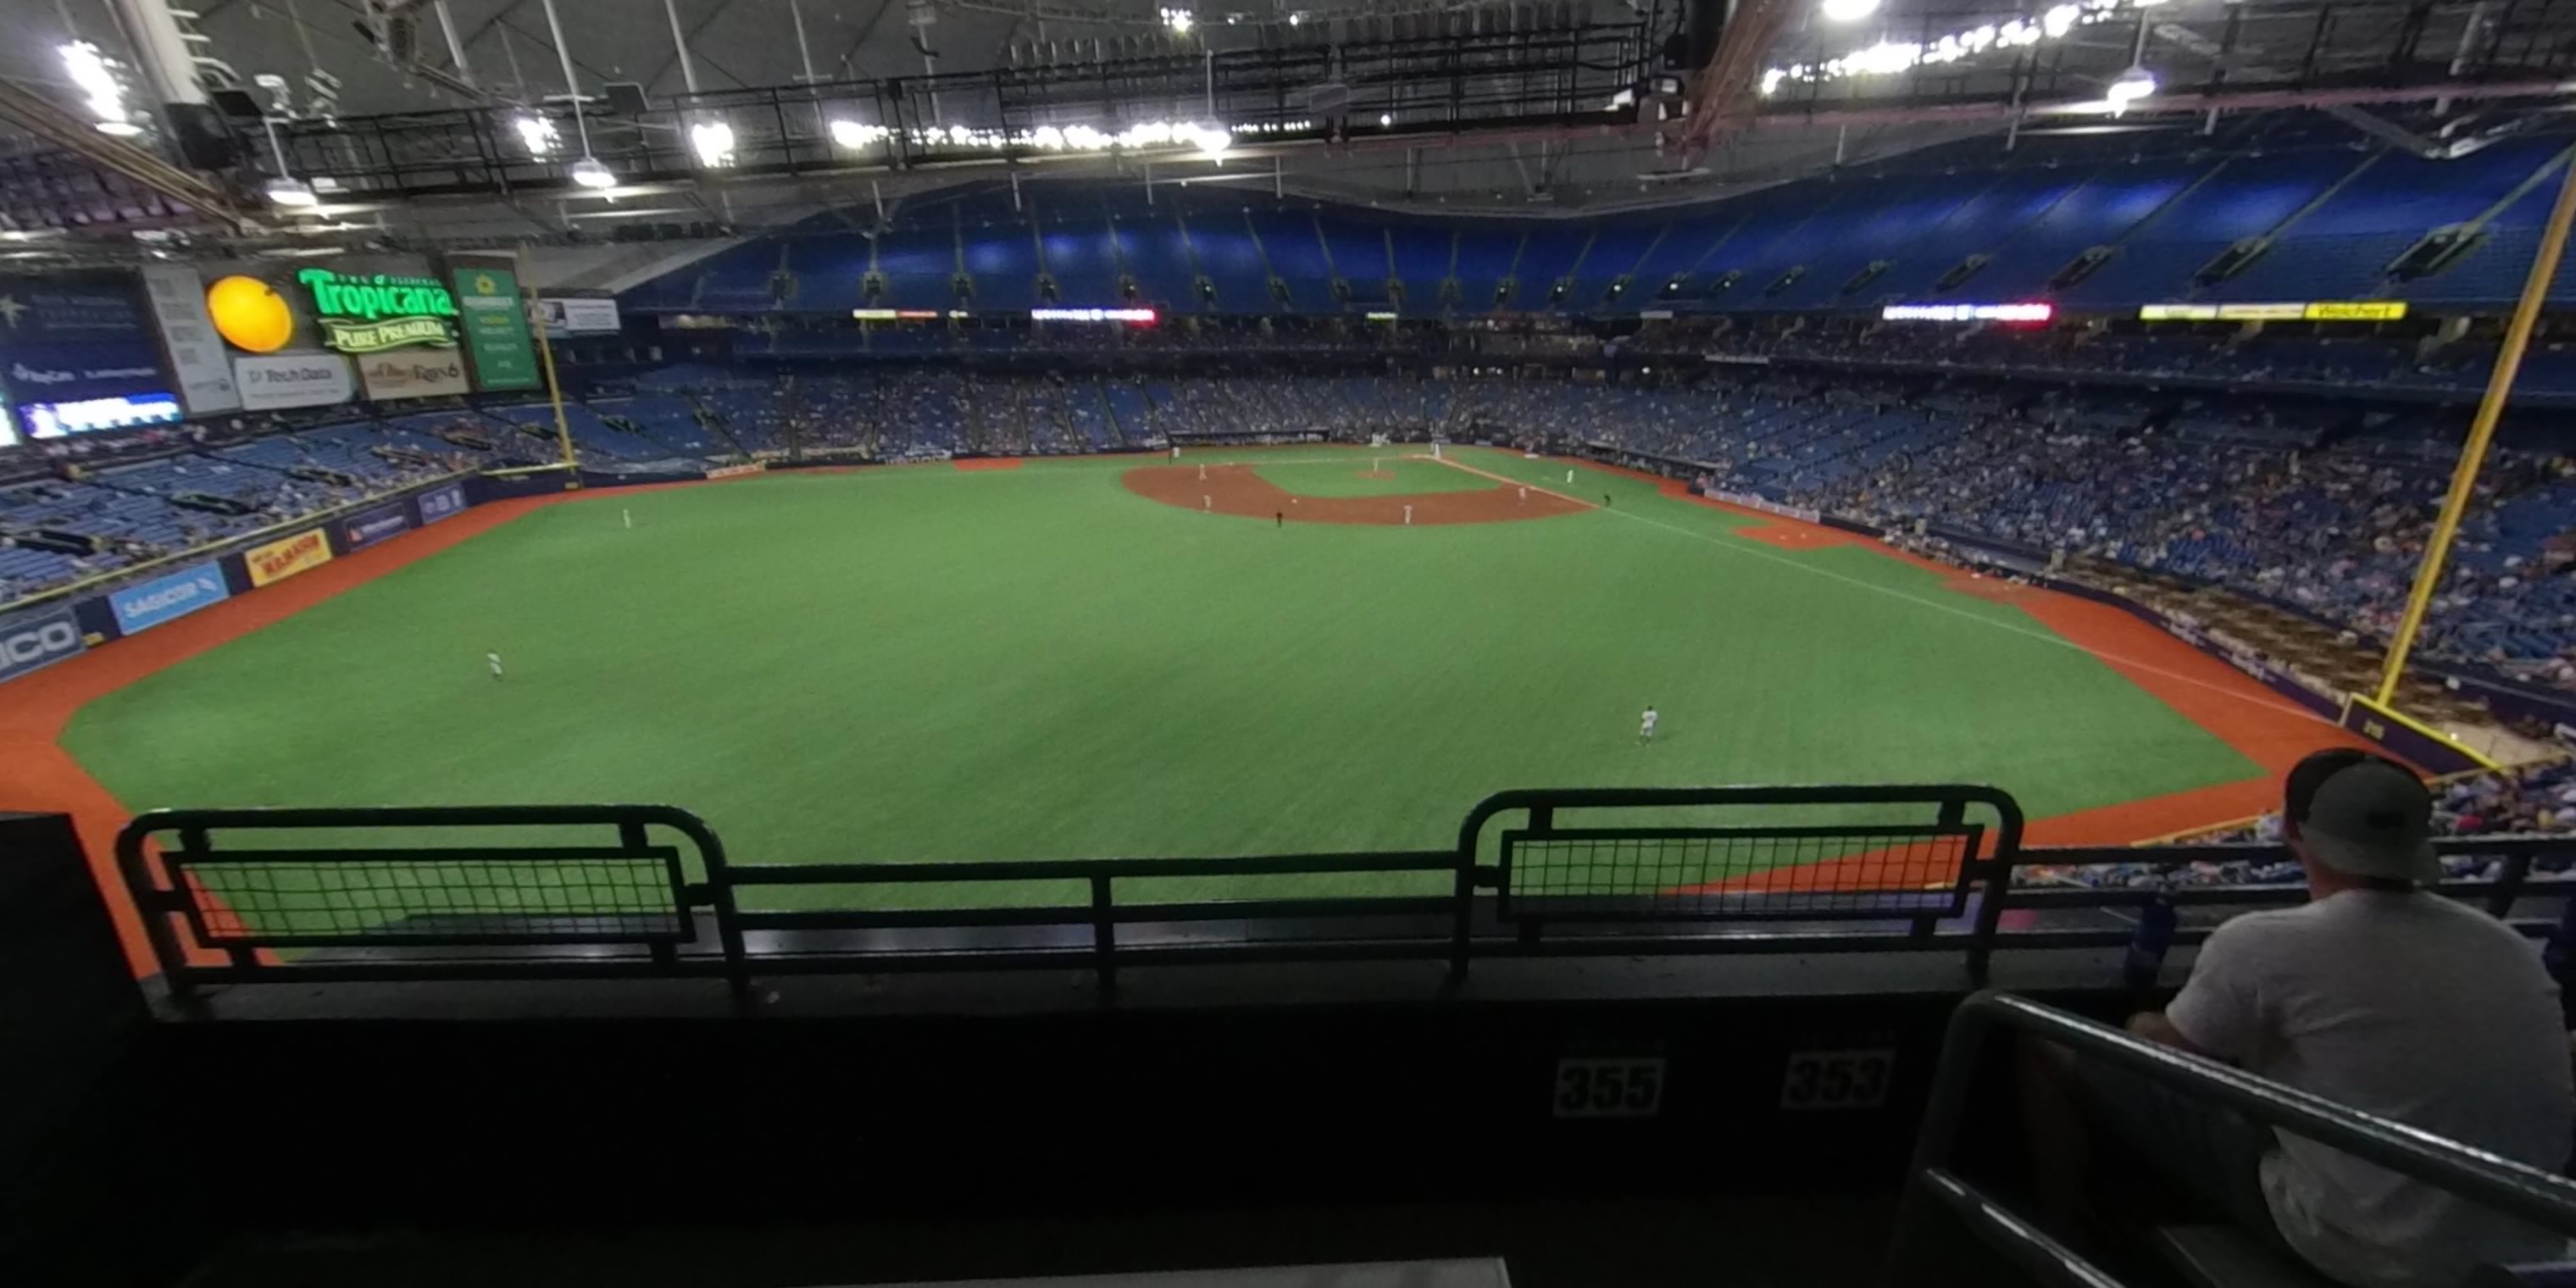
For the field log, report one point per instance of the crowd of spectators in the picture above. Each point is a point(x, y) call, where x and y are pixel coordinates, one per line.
point(2324, 512)
point(2533, 800)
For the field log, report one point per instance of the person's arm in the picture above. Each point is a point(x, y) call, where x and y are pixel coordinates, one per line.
point(2219, 1013)
point(2157, 1027)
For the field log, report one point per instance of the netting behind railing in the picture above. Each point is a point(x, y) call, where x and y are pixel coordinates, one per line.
point(291, 899)
point(1740, 872)
point(1746, 853)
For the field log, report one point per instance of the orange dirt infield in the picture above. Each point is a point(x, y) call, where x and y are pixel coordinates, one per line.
point(1236, 490)
point(1797, 536)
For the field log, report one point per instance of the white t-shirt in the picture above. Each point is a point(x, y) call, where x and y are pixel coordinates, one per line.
point(1650, 720)
point(2413, 1007)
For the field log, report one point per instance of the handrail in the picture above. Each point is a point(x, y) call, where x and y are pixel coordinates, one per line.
point(1460, 920)
point(2535, 1196)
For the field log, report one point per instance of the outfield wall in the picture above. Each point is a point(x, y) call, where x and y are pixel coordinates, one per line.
point(115, 607)
point(112, 607)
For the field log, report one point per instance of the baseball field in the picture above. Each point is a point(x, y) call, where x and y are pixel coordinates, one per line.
point(1247, 651)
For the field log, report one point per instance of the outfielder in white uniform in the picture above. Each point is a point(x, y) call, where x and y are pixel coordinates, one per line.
point(1646, 726)
point(495, 659)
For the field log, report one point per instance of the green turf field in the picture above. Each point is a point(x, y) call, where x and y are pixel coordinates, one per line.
point(937, 664)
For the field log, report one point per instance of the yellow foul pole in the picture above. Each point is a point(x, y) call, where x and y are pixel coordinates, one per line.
point(554, 390)
point(2473, 454)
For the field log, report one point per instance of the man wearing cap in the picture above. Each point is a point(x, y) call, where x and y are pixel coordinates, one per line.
point(2378, 994)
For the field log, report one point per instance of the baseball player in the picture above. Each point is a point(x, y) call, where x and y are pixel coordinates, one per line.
point(1646, 724)
point(493, 657)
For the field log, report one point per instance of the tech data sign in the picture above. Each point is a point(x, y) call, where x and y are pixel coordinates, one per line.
point(380, 311)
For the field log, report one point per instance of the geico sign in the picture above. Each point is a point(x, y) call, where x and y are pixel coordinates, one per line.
point(29, 647)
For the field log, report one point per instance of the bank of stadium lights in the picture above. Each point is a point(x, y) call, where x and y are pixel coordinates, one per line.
point(1889, 57)
point(712, 141)
point(100, 89)
point(537, 135)
point(855, 135)
point(1180, 21)
point(1847, 10)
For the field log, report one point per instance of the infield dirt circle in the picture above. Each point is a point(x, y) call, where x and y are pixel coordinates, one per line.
point(1237, 490)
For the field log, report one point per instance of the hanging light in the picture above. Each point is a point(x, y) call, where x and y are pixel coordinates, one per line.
point(1848, 10)
point(590, 173)
point(292, 193)
point(1179, 20)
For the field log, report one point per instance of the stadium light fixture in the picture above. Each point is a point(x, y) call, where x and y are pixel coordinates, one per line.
point(537, 134)
point(292, 193)
point(712, 141)
point(1179, 20)
point(97, 81)
point(1889, 57)
point(1848, 10)
point(2134, 84)
point(590, 173)
point(854, 135)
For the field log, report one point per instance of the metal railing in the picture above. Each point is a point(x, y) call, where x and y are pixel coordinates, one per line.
point(2528, 1193)
point(362, 897)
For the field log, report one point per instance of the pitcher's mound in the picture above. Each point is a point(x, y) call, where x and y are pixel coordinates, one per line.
point(1236, 490)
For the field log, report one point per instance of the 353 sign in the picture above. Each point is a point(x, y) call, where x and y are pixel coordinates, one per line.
point(1611, 1087)
point(1855, 1079)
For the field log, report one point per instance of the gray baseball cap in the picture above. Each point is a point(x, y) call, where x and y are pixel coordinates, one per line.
point(2364, 816)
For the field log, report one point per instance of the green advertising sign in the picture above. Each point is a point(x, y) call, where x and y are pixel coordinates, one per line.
point(375, 312)
point(496, 328)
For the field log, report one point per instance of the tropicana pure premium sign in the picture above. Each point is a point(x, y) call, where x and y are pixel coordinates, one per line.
point(380, 311)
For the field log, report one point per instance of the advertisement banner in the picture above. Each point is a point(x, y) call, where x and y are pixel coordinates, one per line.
point(36, 641)
point(293, 380)
point(373, 312)
point(412, 373)
point(496, 328)
point(441, 503)
point(281, 559)
point(203, 372)
point(72, 337)
point(585, 317)
point(368, 527)
point(164, 599)
point(55, 373)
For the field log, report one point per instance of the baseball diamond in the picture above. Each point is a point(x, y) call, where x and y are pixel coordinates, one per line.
point(1064, 662)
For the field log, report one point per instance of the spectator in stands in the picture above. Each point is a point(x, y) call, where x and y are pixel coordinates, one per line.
point(2377, 994)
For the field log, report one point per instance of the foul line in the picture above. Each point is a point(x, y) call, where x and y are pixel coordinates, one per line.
point(1890, 591)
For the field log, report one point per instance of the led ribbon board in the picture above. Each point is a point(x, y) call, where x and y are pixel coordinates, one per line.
point(380, 311)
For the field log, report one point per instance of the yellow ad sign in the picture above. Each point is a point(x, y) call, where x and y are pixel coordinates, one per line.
point(281, 559)
point(2177, 312)
point(2262, 312)
point(2357, 311)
